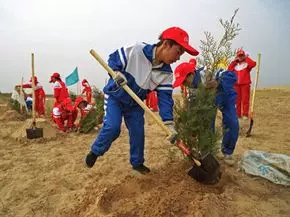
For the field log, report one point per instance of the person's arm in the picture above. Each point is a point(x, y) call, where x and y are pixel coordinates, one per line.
point(183, 90)
point(251, 63)
point(197, 78)
point(118, 60)
point(84, 90)
point(24, 86)
point(232, 65)
point(118, 63)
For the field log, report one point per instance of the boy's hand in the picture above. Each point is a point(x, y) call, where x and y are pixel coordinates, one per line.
point(171, 127)
point(211, 84)
point(120, 79)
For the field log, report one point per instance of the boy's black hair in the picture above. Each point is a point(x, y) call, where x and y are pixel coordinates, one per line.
point(170, 41)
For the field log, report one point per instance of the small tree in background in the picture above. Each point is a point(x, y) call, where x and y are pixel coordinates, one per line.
point(95, 117)
point(72, 96)
point(15, 105)
point(195, 114)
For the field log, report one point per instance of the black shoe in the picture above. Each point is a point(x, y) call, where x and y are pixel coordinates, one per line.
point(91, 159)
point(142, 169)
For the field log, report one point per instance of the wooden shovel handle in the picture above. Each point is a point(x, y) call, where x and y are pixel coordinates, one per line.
point(33, 88)
point(255, 86)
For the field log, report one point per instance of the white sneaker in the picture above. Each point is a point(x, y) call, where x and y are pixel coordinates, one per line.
point(229, 160)
point(220, 156)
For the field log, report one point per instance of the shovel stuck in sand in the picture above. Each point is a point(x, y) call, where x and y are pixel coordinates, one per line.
point(33, 132)
point(206, 169)
point(248, 133)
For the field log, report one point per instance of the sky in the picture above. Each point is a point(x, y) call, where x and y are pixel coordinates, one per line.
point(61, 33)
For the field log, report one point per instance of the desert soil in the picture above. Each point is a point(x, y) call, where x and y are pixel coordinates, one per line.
point(47, 177)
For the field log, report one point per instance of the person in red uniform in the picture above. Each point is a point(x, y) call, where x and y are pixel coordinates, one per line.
point(88, 90)
point(65, 112)
point(83, 106)
point(183, 88)
point(39, 95)
point(60, 90)
point(242, 66)
point(152, 101)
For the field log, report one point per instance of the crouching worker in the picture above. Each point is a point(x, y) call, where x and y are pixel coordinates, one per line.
point(29, 102)
point(143, 67)
point(223, 82)
point(39, 96)
point(84, 107)
point(64, 115)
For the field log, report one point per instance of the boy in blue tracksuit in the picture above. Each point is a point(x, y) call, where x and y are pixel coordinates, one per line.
point(223, 81)
point(143, 67)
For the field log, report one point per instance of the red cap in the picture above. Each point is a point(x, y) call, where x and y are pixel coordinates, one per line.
point(35, 80)
point(181, 73)
point(181, 37)
point(240, 52)
point(193, 61)
point(84, 82)
point(54, 75)
point(79, 99)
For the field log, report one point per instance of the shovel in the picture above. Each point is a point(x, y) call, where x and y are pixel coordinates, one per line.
point(206, 169)
point(248, 133)
point(33, 132)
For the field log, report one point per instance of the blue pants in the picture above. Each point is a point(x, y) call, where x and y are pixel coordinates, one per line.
point(134, 120)
point(29, 105)
point(226, 104)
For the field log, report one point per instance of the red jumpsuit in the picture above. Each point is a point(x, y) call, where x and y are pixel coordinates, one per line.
point(88, 90)
point(39, 98)
point(242, 86)
point(152, 101)
point(60, 114)
point(60, 92)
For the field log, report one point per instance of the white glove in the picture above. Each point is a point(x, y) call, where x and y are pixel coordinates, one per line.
point(171, 127)
point(120, 79)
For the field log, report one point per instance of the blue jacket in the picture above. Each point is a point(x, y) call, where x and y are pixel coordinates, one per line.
point(227, 80)
point(135, 62)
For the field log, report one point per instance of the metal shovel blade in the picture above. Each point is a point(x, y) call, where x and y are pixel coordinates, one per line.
point(209, 171)
point(34, 133)
point(248, 133)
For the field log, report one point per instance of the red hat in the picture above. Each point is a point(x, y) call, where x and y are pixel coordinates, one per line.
point(181, 37)
point(240, 52)
point(193, 61)
point(181, 73)
point(35, 80)
point(54, 75)
point(84, 82)
point(79, 99)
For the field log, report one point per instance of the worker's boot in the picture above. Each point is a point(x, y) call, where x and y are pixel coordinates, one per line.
point(91, 159)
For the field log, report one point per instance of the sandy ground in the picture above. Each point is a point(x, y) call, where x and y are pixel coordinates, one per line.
point(47, 177)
